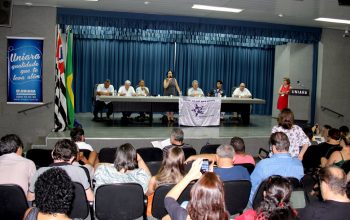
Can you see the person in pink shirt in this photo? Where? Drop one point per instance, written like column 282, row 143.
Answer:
column 241, row 156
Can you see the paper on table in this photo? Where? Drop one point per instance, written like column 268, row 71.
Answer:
column 161, row 144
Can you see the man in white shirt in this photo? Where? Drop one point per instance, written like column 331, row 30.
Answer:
column 241, row 92
column 142, row 90
column 195, row 91
column 105, row 89
column 126, row 90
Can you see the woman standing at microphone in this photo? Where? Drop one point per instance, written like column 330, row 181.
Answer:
column 283, row 92
column 170, row 87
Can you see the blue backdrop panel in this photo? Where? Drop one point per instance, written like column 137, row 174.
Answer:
column 97, row 60
column 232, row 65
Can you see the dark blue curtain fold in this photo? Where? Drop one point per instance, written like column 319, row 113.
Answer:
column 232, row 65
column 160, row 28
column 97, row 60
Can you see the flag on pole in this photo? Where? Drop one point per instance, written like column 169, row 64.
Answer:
column 69, row 78
column 60, row 88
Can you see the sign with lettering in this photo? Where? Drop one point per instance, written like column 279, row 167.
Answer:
column 300, row 92
column 24, row 70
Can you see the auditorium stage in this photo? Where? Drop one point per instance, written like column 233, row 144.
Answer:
column 113, row 133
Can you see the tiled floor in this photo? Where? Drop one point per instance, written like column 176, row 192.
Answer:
column 260, row 126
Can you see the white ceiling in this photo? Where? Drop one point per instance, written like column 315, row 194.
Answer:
column 296, row 12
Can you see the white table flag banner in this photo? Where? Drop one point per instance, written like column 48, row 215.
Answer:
column 195, row 111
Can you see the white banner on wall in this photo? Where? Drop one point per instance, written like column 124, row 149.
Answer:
column 204, row 111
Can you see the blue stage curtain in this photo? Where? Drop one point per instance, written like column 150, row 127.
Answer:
column 232, row 65
column 132, row 46
column 97, row 60
column 159, row 28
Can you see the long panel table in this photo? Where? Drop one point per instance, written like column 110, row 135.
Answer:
column 152, row 104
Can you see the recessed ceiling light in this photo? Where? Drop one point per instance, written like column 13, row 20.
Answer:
column 91, row 0
column 28, row 4
column 333, row 20
column 216, row 8
column 146, row 2
column 280, row 15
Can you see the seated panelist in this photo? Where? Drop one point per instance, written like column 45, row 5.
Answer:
column 104, row 89
column 126, row 90
column 241, row 92
column 195, row 91
column 142, row 90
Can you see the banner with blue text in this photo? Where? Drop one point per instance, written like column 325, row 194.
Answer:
column 199, row 111
column 24, row 70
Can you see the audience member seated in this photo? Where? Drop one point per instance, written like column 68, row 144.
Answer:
column 280, row 163
column 336, row 204
column 338, row 158
column 331, row 144
column 195, row 91
column 310, row 134
column 225, row 168
column 240, row 155
column 241, row 92
column 63, row 155
column 176, row 139
column 344, row 130
column 128, row 167
column 77, row 162
column 14, row 169
column 53, row 196
column 296, row 135
column 103, row 89
column 171, row 171
column 276, row 203
column 323, row 133
column 206, row 197
column 78, row 136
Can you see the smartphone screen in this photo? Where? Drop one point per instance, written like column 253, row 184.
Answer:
column 205, row 166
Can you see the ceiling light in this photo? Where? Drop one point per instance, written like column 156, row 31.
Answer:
column 333, row 20
column 215, row 8
column 280, row 15
column 146, row 2
column 91, row 0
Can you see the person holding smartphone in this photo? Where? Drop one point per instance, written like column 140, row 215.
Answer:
column 206, row 193
column 170, row 88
